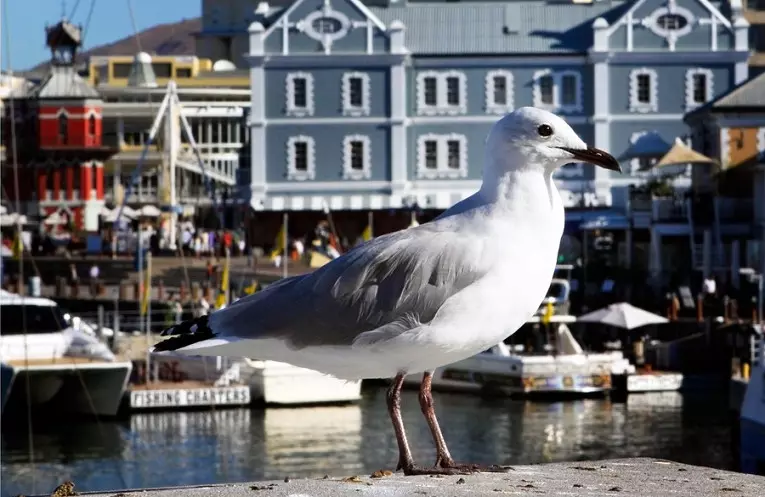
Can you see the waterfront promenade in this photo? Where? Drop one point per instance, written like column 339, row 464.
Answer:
column 642, row 477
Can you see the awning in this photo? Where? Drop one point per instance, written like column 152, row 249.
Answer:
column 681, row 154
column 605, row 223
column 647, row 145
column 12, row 219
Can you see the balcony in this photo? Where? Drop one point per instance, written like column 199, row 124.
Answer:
column 669, row 210
column 735, row 210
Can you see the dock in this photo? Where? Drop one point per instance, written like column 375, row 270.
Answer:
column 642, row 477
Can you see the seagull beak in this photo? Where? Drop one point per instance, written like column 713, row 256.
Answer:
column 595, row 156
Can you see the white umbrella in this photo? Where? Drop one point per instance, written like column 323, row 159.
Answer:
column 55, row 219
column 127, row 213
column 623, row 315
column 149, row 211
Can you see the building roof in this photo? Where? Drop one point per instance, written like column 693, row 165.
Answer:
column 525, row 26
column 62, row 82
column 748, row 96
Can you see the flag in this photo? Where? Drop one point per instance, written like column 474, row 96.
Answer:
column 367, row 233
column 279, row 243
column 146, row 297
column 18, row 246
column 220, row 300
column 548, row 314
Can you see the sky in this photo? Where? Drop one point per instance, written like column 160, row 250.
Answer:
column 23, row 23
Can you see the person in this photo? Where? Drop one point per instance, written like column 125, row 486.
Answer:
column 204, row 306
column 709, row 291
column 710, row 286
column 210, row 272
column 74, row 278
column 94, row 273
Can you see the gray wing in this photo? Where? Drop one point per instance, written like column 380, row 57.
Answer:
column 390, row 284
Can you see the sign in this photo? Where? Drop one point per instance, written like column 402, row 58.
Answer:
column 572, row 200
column 190, row 397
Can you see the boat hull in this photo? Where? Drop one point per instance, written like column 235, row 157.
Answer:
column 752, row 420
column 270, row 382
column 516, row 376
column 93, row 388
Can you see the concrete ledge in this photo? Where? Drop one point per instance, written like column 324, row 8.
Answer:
column 614, row 478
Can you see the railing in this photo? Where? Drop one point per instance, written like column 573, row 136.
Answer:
column 757, row 351
column 735, row 210
column 669, row 209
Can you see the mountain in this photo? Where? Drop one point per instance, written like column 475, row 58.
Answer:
column 163, row 39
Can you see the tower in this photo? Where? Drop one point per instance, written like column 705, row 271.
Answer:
column 68, row 152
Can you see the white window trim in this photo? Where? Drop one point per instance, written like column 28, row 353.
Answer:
column 577, row 105
column 442, row 170
column 348, row 108
column 366, row 170
column 635, row 105
column 557, row 78
column 422, row 107
column 460, row 108
column 441, row 107
column 493, row 107
column 292, row 110
column 709, row 75
column 292, row 172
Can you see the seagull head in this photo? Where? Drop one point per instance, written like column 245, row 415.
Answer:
column 534, row 138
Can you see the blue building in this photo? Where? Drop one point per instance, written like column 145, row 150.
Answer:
column 385, row 104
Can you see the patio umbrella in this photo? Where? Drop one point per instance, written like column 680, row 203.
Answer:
column 681, row 154
column 149, row 211
column 623, row 315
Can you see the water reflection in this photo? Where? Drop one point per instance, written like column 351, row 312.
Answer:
column 239, row 445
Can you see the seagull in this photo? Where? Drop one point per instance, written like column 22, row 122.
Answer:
column 412, row 301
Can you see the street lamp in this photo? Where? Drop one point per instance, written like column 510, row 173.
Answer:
column 755, row 277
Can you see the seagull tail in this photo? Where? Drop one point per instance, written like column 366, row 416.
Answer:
column 185, row 333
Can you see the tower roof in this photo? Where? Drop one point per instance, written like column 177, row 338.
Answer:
column 63, row 82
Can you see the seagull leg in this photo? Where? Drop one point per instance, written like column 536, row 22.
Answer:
column 444, row 460
column 405, row 460
column 394, row 411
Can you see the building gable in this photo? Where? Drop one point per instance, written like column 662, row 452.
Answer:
column 326, row 26
column 674, row 25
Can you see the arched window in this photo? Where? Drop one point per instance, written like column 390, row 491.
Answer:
column 92, row 125
column 63, row 129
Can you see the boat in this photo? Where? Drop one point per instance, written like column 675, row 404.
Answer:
column 52, row 367
column 269, row 382
column 752, row 418
column 558, row 367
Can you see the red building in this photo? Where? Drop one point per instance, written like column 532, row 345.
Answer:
column 58, row 142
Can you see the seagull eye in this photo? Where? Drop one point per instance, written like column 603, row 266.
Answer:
column 545, row 130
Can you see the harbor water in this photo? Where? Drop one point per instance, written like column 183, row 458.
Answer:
column 217, row 446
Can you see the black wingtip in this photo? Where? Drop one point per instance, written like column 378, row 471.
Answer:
column 195, row 325
column 185, row 333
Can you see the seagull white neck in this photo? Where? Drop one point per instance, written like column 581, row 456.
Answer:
column 525, row 190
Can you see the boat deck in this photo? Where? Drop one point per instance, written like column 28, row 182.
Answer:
column 171, row 385
column 67, row 362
